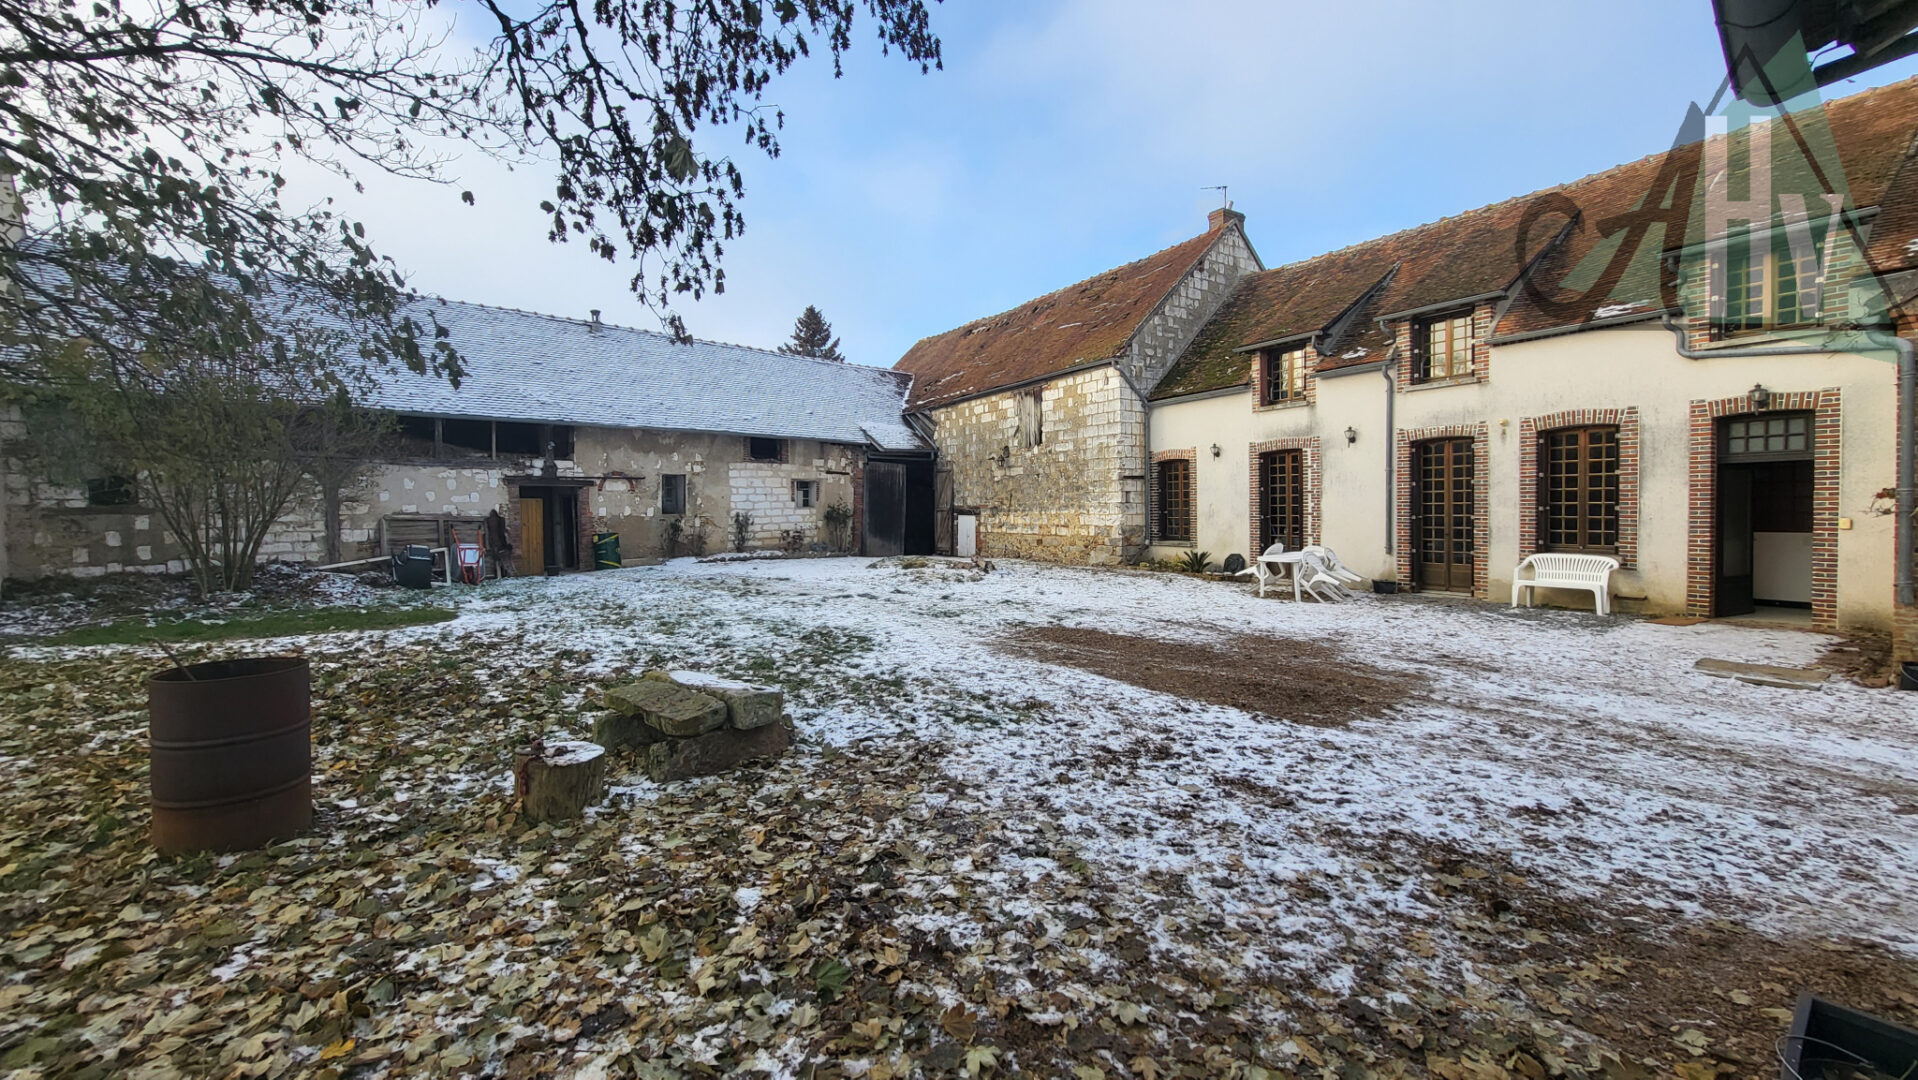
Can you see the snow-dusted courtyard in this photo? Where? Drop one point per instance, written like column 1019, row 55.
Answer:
column 1446, row 840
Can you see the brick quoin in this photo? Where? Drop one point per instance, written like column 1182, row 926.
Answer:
column 1481, row 524
column 1309, row 466
column 1530, row 428
column 1701, row 570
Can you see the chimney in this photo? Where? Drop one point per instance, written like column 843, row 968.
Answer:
column 595, row 323
column 1223, row 216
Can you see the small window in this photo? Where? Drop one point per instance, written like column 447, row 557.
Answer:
column 806, row 492
column 1579, row 492
column 1442, row 347
column 110, row 491
column 1765, row 284
column 766, row 449
column 1032, row 418
column 1787, row 434
column 1175, row 500
column 1284, row 377
column 672, row 494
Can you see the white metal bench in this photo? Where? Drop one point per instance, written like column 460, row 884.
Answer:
column 1555, row 570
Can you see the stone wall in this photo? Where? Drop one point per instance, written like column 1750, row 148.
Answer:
column 1080, row 496
column 50, row 528
column 1163, row 337
column 1067, row 499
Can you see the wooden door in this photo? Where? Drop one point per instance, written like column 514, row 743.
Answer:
column 532, row 537
column 1444, row 545
column 944, row 540
column 885, row 524
column 1282, row 499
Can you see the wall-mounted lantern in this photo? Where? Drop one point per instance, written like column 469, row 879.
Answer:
column 1351, row 435
column 1760, row 397
column 1215, row 450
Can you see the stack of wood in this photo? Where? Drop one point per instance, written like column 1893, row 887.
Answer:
column 688, row 723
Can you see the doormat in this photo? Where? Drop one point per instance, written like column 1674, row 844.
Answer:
column 1677, row 620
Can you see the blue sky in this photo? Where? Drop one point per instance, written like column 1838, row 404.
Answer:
column 1066, row 138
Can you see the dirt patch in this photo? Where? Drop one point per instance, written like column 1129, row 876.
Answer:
column 1305, row 682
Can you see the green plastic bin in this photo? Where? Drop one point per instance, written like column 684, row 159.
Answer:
column 606, row 551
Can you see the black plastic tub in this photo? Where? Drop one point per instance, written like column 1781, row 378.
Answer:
column 1829, row 1040
column 1908, row 675
column 1385, row 588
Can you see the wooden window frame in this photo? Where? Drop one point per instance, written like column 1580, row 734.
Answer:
column 1810, row 433
column 1283, row 381
column 1422, row 328
column 666, row 491
column 806, row 493
column 1593, row 518
column 1298, row 503
column 1173, row 517
column 1763, row 317
column 1031, row 415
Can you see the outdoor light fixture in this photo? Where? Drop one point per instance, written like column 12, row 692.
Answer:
column 1760, row 397
column 1351, row 436
column 1215, row 449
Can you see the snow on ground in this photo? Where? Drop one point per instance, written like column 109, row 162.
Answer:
column 989, row 852
column 1589, row 751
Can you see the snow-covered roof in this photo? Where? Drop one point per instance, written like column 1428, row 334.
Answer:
column 525, row 366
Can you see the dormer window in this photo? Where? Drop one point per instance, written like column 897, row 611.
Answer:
column 1442, row 346
column 1284, row 381
column 1765, row 285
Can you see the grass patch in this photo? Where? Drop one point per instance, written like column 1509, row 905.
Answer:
column 274, row 624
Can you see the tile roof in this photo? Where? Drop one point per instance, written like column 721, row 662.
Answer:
column 1090, row 321
column 525, row 366
column 1478, row 252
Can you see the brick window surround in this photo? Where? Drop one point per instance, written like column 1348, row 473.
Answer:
column 1191, row 456
column 1402, row 343
column 1310, row 468
column 1402, row 495
column 1701, row 575
column 1530, row 429
column 1310, row 360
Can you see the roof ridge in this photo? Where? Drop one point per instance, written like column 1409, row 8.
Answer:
column 1063, row 288
column 604, row 325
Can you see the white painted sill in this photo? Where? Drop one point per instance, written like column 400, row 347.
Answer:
column 1438, row 384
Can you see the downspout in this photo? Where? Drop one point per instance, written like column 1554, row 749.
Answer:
column 1907, row 498
column 1391, row 456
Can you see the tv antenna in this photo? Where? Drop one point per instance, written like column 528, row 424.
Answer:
column 1225, row 203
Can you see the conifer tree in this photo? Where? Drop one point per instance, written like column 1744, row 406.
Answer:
column 812, row 336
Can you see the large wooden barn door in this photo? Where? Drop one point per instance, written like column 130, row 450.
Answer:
column 885, row 508
column 1442, row 501
column 943, row 539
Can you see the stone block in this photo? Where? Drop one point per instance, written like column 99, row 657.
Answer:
column 670, row 709
column 715, row 752
column 747, row 706
column 618, row 731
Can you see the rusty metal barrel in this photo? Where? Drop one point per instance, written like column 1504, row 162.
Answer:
column 232, row 753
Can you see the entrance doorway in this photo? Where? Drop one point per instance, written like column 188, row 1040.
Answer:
column 1282, row 499
column 548, row 530
column 1764, row 513
column 899, row 512
column 1445, row 548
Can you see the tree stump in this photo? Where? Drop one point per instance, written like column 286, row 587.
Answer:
column 558, row 781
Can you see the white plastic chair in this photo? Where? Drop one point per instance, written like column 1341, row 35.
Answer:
column 1260, row 568
column 1332, row 564
column 1317, row 579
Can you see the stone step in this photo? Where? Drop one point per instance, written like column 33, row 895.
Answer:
column 1784, row 678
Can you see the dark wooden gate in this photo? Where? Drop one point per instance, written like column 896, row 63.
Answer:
column 885, row 508
column 1282, row 499
column 942, row 527
column 1442, row 532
